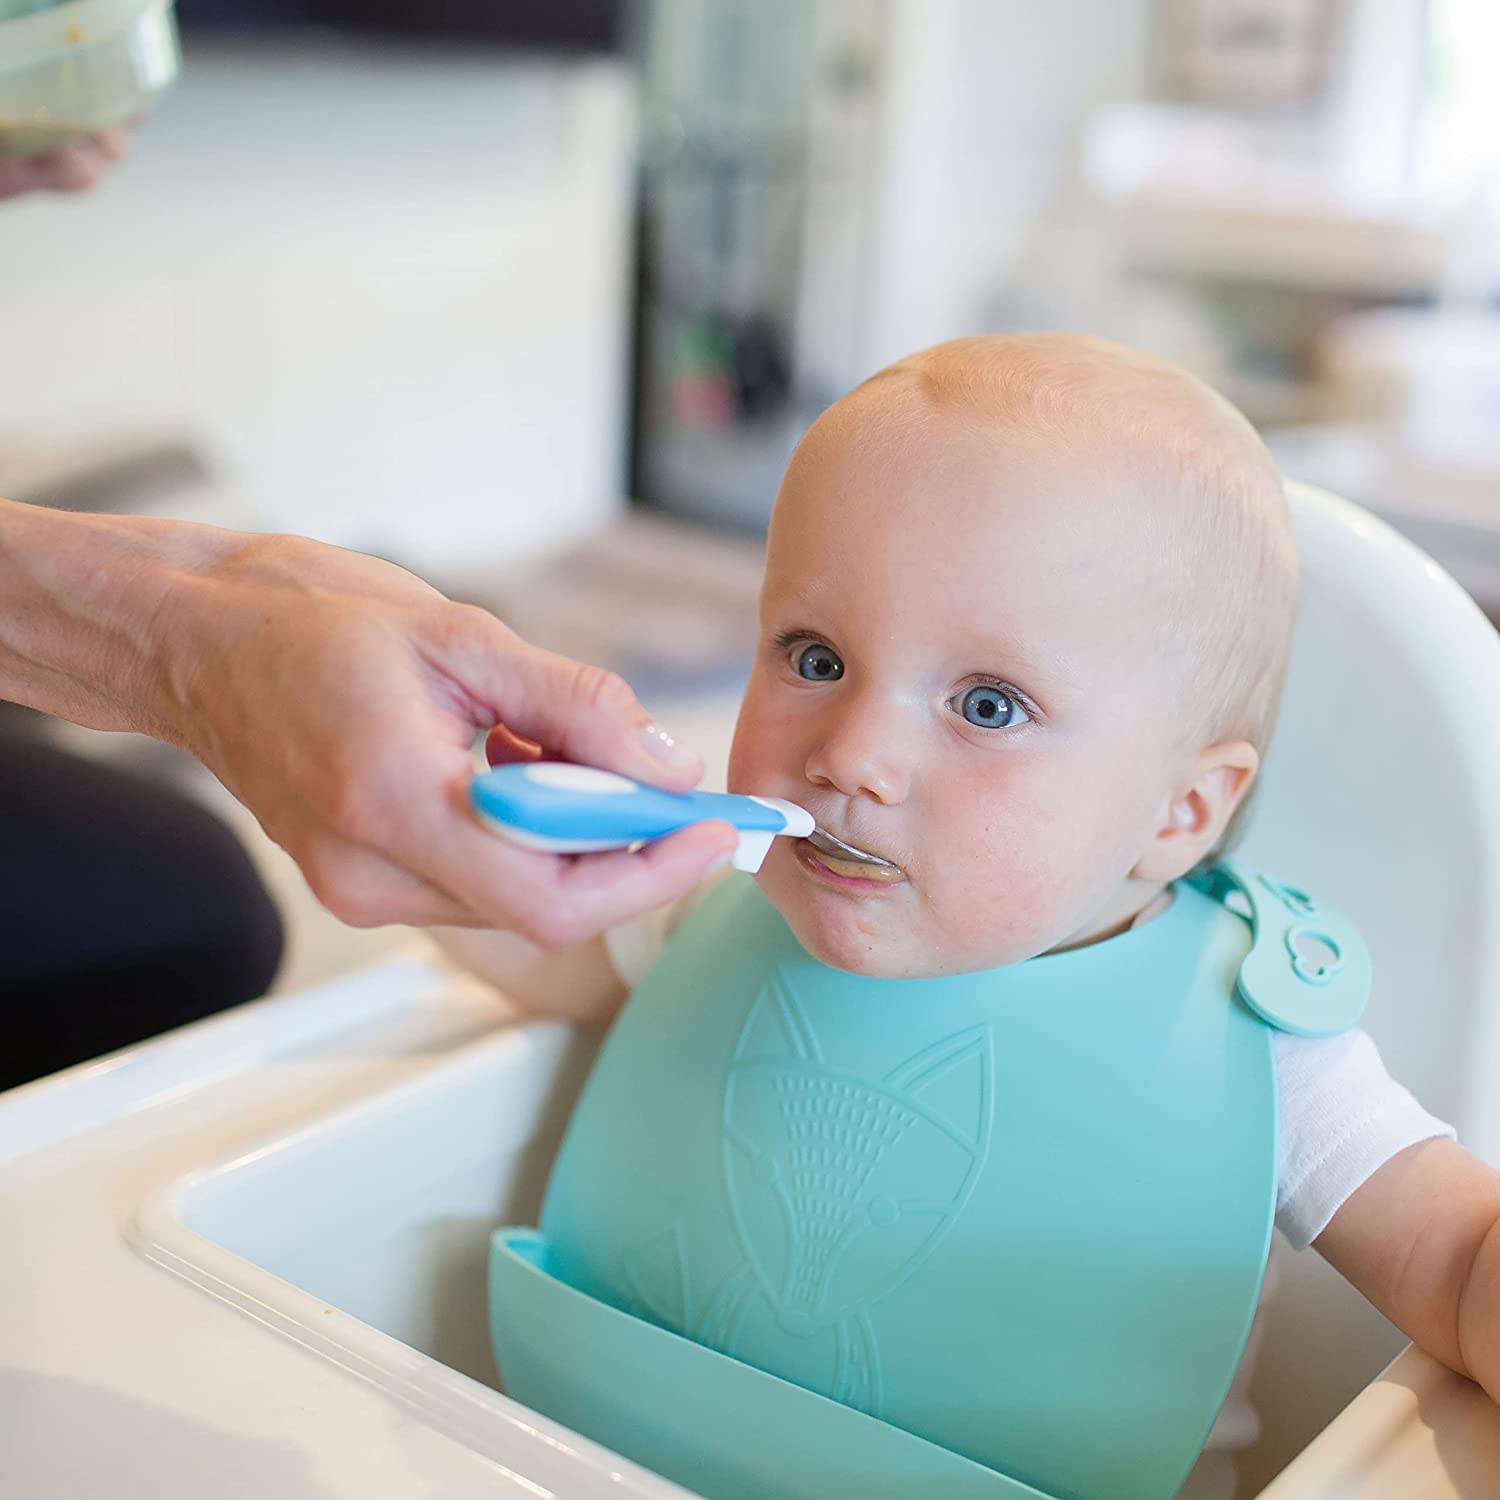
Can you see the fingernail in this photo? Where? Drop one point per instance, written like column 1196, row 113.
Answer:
column 660, row 746
column 719, row 861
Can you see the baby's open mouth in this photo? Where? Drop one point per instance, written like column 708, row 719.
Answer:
column 845, row 859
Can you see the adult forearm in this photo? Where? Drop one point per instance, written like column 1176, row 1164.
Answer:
column 339, row 698
column 81, row 613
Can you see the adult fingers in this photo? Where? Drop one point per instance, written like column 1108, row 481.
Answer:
column 604, row 889
column 502, row 748
column 558, row 899
column 582, row 713
column 409, row 807
column 113, row 143
column 366, row 889
column 32, row 174
column 70, row 169
column 80, row 164
column 579, row 896
column 15, row 177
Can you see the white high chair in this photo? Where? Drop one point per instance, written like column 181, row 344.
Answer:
column 1382, row 791
column 327, row 1166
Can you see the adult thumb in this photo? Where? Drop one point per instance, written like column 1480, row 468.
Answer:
column 584, row 714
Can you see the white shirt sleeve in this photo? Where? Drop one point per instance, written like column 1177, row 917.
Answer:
column 634, row 946
column 1341, row 1117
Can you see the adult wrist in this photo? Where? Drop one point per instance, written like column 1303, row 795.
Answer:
column 92, row 623
column 185, row 605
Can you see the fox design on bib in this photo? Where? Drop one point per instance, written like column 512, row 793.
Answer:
column 838, row 1187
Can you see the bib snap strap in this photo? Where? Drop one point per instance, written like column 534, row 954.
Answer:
column 1308, row 970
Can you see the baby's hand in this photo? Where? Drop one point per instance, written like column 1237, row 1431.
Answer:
column 576, row 983
column 70, row 169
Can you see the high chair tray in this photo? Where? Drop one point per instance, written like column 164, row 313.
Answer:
column 253, row 1258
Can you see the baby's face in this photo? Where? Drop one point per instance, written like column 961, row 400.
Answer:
column 960, row 670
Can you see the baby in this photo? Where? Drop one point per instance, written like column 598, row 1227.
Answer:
column 1026, row 616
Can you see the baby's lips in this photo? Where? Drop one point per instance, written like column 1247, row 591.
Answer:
column 850, row 844
column 830, row 848
column 854, row 870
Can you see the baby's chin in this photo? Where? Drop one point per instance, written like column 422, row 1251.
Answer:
column 835, row 934
column 879, row 943
column 840, row 935
column 872, row 957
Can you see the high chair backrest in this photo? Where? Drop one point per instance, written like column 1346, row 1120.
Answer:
column 1382, row 795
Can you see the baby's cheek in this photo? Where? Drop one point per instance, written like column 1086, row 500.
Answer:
column 759, row 756
column 1004, row 897
column 989, row 922
column 743, row 769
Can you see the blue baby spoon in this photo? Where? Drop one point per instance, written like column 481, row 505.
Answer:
column 567, row 809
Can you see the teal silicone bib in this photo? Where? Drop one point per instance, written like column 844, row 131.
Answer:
column 813, row 1235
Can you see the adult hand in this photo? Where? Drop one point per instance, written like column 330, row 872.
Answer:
column 69, row 169
column 338, row 697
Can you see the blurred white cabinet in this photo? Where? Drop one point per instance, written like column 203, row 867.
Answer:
column 385, row 291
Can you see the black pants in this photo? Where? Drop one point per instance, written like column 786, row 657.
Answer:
column 125, row 910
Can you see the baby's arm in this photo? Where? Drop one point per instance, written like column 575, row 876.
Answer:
column 1421, row 1240
column 582, row 982
column 576, row 983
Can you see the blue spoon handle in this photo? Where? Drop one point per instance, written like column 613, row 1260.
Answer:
column 567, row 809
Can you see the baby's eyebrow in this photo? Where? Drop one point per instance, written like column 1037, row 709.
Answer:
column 1044, row 672
column 1040, row 669
column 1014, row 652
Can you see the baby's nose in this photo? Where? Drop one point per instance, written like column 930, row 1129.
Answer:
column 859, row 756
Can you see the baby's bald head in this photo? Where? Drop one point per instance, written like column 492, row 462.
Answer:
column 1208, row 503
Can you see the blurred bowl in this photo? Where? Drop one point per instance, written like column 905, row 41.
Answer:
column 68, row 70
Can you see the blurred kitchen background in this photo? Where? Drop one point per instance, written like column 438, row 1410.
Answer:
column 536, row 299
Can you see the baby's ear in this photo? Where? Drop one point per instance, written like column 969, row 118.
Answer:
column 1201, row 807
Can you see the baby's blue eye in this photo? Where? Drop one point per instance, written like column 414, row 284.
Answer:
column 990, row 708
column 819, row 664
